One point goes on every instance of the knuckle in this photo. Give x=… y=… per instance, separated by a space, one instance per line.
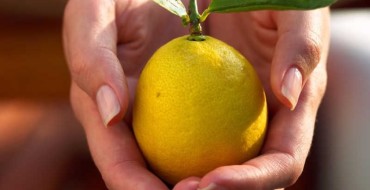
x=86 y=66
x=78 y=67
x=310 y=53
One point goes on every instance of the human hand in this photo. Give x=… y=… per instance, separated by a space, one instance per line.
x=102 y=39
x=289 y=50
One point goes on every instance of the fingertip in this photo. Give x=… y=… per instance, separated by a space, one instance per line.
x=291 y=87
x=109 y=106
x=219 y=179
x=190 y=183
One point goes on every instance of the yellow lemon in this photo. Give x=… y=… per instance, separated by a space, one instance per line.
x=199 y=105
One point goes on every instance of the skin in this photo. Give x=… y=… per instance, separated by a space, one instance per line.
x=108 y=42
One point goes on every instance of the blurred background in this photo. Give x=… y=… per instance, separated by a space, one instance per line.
x=43 y=147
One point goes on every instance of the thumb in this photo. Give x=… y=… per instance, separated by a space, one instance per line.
x=298 y=51
x=90 y=39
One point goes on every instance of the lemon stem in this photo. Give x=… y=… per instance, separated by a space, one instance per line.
x=195 y=27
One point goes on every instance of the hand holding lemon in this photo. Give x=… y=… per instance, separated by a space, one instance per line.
x=272 y=41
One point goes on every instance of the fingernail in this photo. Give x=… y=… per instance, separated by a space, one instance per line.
x=212 y=186
x=108 y=104
x=292 y=86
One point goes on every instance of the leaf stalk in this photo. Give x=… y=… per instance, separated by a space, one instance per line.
x=195 y=20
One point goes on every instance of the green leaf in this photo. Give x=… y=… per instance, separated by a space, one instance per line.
x=174 y=6
x=224 y=6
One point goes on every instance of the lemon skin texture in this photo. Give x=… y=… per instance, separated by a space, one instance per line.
x=199 y=105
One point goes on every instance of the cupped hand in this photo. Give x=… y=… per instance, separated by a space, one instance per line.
x=106 y=45
x=108 y=42
x=289 y=51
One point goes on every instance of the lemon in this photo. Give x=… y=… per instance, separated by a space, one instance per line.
x=199 y=105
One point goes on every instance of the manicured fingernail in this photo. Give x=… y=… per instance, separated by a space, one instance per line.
x=108 y=104
x=292 y=86
x=212 y=186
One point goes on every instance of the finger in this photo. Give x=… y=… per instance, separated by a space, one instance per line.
x=190 y=183
x=303 y=39
x=90 y=39
x=254 y=175
x=114 y=150
x=285 y=151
